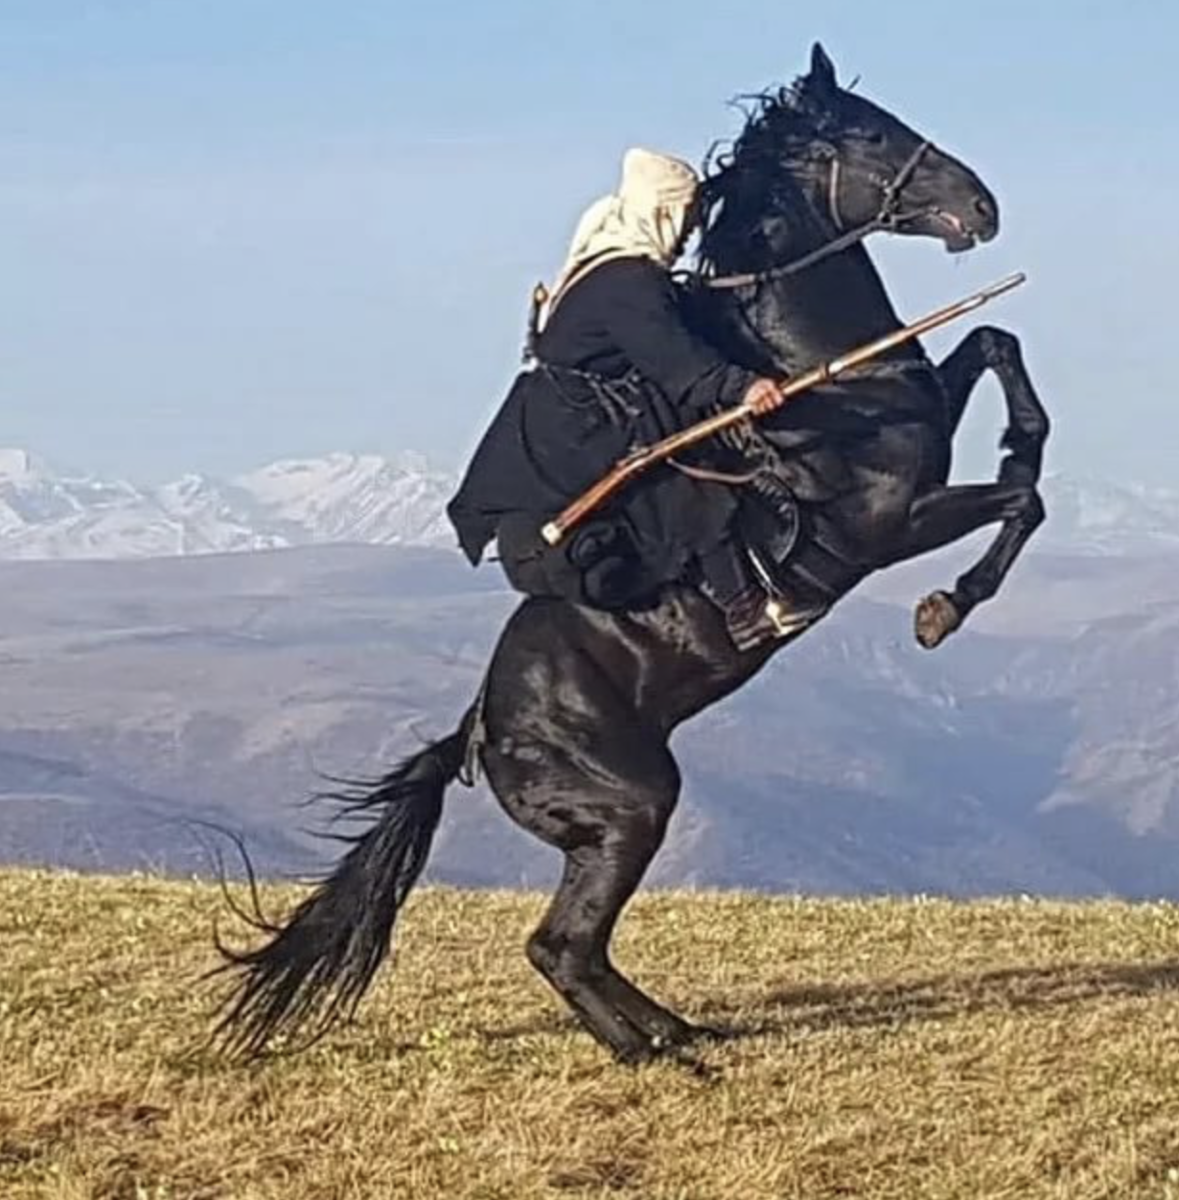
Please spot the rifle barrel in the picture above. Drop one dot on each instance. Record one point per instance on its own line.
(637, 462)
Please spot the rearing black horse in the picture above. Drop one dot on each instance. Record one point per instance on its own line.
(572, 723)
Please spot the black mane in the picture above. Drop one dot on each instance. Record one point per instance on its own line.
(781, 124)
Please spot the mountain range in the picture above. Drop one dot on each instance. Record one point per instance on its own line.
(396, 501)
(152, 695)
(46, 513)
(1037, 751)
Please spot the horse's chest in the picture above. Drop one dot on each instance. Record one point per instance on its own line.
(888, 473)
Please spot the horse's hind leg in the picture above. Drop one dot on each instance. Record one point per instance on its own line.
(571, 945)
(570, 764)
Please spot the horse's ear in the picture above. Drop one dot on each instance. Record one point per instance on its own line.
(822, 77)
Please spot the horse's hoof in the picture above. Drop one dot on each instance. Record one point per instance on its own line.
(935, 619)
(709, 1033)
(634, 1054)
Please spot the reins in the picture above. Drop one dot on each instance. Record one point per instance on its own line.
(888, 217)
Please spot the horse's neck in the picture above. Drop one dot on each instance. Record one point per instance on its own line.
(823, 311)
(818, 313)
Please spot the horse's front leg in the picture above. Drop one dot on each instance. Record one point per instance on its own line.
(945, 514)
(1027, 422)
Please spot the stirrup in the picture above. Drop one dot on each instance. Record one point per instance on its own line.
(786, 620)
(753, 618)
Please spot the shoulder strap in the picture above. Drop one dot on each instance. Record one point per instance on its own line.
(582, 271)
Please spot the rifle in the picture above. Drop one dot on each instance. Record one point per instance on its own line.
(643, 457)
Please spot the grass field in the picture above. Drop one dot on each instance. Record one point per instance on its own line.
(907, 1049)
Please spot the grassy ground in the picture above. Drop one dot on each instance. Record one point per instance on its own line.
(890, 1049)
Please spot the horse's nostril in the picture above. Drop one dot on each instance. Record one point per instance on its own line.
(985, 207)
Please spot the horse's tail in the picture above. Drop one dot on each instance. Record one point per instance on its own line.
(316, 967)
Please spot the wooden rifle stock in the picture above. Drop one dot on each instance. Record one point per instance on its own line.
(647, 456)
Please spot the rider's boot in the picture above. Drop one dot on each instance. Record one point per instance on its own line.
(752, 616)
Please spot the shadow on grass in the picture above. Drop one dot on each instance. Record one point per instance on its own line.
(894, 1004)
(898, 1003)
(807, 1008)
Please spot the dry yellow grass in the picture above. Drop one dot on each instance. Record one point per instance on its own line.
(914, 1050)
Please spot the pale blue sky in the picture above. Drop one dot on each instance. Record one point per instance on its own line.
(232, 230)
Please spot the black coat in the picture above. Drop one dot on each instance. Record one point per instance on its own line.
(616, 367)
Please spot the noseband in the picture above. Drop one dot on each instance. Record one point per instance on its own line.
(888, 217)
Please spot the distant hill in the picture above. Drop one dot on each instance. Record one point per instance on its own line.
(46, 513)
(50, 513)
(1035, 754)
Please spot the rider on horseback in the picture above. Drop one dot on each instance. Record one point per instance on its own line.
(616, 365)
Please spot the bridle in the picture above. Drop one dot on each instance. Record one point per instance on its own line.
(890, 216)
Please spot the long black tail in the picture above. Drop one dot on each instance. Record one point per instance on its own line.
(316, 967)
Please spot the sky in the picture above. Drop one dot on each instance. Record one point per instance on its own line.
(238, 230)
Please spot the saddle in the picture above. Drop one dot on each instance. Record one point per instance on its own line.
(609, 561)
(621, 558)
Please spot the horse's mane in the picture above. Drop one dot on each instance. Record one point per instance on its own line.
(779, 124)
(777, 121)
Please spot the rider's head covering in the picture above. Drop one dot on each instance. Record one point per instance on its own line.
(647, 216)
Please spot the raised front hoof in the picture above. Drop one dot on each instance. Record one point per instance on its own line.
(935, 619)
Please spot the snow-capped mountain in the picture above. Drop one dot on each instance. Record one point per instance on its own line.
(397, 501)
(354, 498)
(337, 498)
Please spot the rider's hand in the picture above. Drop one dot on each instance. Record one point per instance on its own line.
(763, 396)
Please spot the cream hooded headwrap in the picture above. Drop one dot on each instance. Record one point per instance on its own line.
(644, 217)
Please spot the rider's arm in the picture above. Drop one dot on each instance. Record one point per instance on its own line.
(643, 314)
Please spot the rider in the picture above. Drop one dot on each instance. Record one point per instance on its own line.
(615, 364)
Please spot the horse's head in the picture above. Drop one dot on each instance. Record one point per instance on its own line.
(857, 164)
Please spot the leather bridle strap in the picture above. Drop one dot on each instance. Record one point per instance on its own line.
(889, 216)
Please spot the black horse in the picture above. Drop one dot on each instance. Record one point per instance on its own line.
(572, 723)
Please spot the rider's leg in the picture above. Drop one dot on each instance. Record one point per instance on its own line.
(752, 614)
